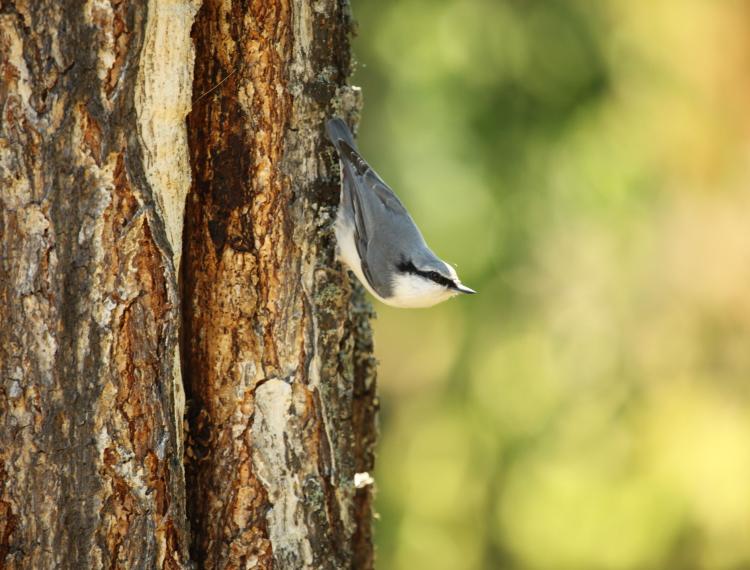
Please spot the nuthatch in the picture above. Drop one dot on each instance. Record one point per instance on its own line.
(379, 240)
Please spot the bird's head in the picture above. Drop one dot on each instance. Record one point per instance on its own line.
(424, 282)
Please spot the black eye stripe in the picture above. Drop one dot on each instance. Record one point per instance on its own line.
(408, 267)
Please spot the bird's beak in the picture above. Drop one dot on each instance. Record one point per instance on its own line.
(465, 289)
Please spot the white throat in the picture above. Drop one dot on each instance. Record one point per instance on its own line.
(413, 291)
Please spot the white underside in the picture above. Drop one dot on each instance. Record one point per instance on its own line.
(410, 291)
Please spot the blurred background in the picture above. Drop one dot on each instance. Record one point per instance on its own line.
(586, 166)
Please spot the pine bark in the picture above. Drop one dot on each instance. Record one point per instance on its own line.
(105, 314)
(277, 368)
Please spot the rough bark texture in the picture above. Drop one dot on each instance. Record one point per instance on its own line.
(94, 171)
(90, 413)
(278, 371)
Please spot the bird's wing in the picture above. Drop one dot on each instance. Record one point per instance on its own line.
(353, 201)
(366, 176)
(381, 223)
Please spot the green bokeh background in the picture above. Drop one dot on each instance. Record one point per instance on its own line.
(585, 165)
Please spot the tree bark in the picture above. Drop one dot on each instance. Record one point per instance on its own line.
(97, 167)
(276, 354)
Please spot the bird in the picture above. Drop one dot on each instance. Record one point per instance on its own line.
(378, 239)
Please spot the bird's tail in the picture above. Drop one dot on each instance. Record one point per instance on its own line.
(338, 131)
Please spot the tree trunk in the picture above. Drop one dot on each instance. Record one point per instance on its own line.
(280, 417)
(97, 166)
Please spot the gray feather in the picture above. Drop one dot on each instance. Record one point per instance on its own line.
(382, 224)
(338, 130)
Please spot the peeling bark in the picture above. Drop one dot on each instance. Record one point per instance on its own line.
(90, 453)
(106, 192)
(278, 366)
